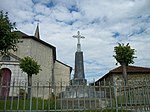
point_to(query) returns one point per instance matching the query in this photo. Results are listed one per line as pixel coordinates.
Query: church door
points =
(5, 81)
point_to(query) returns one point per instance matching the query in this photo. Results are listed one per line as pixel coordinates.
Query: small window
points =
(6, 58)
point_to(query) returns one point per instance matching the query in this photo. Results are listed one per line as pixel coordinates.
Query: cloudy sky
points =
(104, 23)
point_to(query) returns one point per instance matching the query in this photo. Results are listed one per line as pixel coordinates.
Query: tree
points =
(8, 38)
(29, 66)
(125, 56)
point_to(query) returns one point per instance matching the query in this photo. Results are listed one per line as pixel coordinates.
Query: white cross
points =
(78, 36)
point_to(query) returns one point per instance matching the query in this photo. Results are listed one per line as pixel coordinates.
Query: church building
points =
(53, 71)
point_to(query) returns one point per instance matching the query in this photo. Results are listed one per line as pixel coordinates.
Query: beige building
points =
(61, 74)
(53, 71)
(113, 81)
(134, 73)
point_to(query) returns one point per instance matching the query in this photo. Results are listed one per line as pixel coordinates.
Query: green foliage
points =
(124, 54)
(8, 38)
(28, 65)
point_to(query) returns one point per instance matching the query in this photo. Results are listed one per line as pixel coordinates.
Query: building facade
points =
(61, 74)
(42, 52)
(138, 78)
(134, 73)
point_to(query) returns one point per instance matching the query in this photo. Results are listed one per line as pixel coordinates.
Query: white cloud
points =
(97, 20)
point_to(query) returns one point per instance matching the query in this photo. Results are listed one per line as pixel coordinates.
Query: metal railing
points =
(59, 97)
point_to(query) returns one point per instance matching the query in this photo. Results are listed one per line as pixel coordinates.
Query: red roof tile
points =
(131, 69)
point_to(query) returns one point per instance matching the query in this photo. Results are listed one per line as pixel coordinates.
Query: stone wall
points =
(132, 77)
(116, 80)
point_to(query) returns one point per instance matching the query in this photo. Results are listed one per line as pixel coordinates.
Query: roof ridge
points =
(130, 69)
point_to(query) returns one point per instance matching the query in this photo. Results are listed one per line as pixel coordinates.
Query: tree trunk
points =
(124, 68)
(0, 84)
(29, 85)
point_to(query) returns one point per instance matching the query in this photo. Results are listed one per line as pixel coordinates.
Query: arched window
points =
(6, 58)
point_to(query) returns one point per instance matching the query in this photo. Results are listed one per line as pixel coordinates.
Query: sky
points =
(103, 23)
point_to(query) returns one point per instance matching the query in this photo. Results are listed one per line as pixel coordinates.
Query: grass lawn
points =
(40, 104)
(37, 104)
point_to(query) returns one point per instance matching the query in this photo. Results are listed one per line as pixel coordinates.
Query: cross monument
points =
(78, 36)
(79, 77)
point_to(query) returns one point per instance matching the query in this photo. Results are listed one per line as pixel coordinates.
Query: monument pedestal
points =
(78, 82)
(79, 77)
(79, 66)
(78, 91)
(78, 87)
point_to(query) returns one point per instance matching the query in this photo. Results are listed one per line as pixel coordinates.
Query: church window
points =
(6, 58)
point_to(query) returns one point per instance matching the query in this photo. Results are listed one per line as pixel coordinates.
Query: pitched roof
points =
(12, 61)
(65, 65)
(130, 69)
(25, 36)
(14, 56)
(20, 34)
